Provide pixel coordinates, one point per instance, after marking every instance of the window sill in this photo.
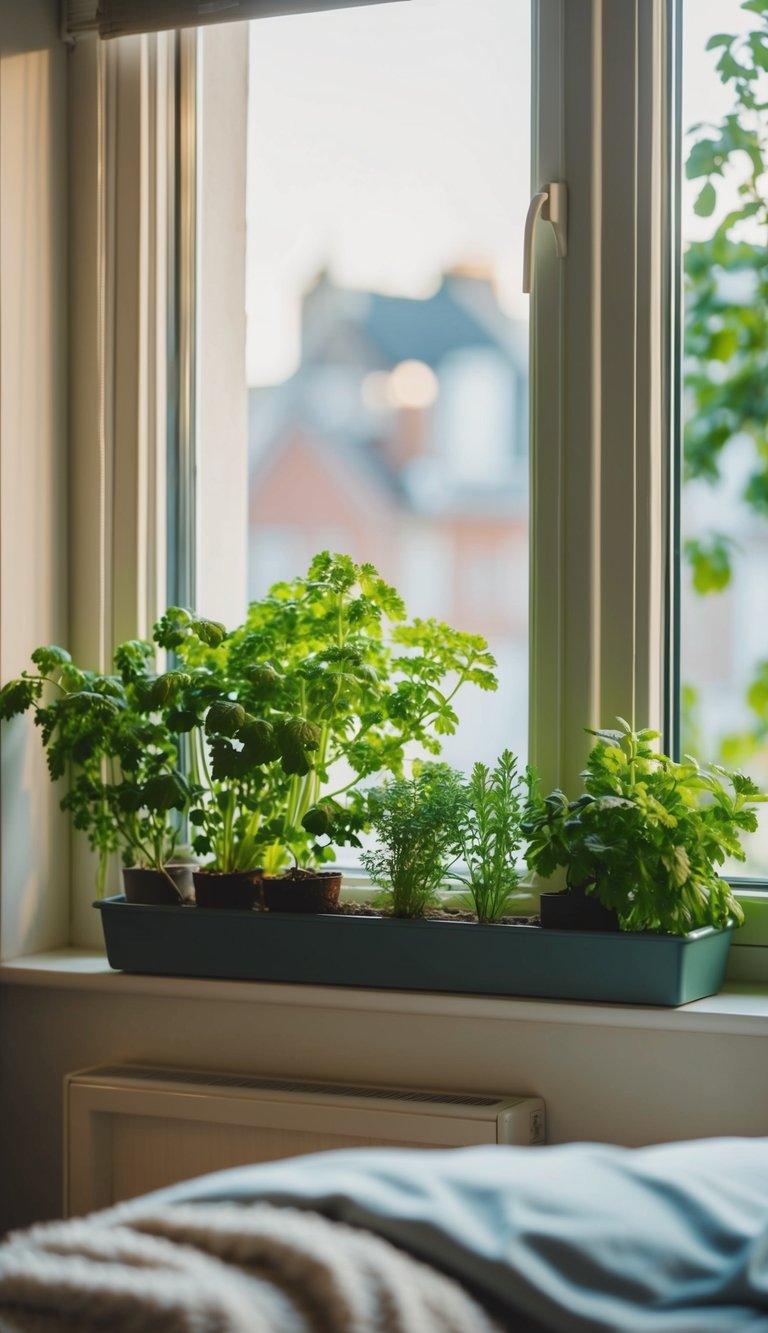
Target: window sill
(741, 1008)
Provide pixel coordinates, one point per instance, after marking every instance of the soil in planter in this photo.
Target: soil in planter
(298, 890)
(239, 891)
(431, 914)
(151, 887)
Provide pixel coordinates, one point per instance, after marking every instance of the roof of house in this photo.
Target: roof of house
(461, 313)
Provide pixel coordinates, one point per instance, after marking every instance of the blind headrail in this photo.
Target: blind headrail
(119, 18)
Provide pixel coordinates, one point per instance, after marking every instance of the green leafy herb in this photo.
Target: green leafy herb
(334, 684)
(647, 835)
(105, 734)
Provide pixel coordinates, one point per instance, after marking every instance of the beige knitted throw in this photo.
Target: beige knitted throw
(220, 1268)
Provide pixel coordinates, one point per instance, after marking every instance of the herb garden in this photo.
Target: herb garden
(256, 756)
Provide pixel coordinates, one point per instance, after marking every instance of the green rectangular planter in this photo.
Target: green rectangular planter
(454, 956)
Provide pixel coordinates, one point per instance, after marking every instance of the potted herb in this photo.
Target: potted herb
(645, 838)
(227, 750)
(424, 822)
(427, 825)
(491, 835)
(326, 684)
(416, 822)
(104, 732)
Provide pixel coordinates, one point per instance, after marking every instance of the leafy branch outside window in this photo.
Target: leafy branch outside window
(726, 324)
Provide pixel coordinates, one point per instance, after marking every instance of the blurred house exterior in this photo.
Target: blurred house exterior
(402, 439)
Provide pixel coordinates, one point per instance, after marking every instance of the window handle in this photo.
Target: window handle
(551, 204)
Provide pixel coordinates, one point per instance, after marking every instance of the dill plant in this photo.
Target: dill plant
(491, 836)
(416, 821)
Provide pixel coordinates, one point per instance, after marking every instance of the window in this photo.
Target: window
(387, 180)
(375, 283)
(389, 386)
(596, 393)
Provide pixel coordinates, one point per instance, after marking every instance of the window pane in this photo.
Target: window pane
(387, 359)
(724, 597)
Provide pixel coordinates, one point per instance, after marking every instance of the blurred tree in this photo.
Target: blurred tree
(725, 371)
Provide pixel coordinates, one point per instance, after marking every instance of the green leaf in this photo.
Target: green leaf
(182, 720)
(225, 717)
(319, 819)
(166, 791)
(711, 562)
(51, 659)
(259, 740)
(131, 659)
(719, 39)
(17, 696)
(296, 739)
(130, 798)
(704, 206)
(210, 632)
(731, 69)
(167, 687)
(264, 678)
(704, 159)
(227, 760)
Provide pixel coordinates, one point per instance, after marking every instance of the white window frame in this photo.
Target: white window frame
(600, 508)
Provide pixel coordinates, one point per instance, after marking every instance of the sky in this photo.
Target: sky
(386, 143)
(390, 142)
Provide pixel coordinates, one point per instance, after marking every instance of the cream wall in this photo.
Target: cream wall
(602, 1080)
(33, 418)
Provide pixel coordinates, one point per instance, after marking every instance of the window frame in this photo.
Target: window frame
(602, 505)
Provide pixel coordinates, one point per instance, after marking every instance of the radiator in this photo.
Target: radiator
(132, 1128)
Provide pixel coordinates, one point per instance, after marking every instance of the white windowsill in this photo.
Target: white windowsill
(740, 1008)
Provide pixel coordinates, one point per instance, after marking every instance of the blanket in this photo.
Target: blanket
(220, 1268)
(578, 1238)
(583, 1238)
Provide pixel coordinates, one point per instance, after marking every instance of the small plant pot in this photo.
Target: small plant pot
(151, 886)
(309, 891)
(238, 891)
(573, 909)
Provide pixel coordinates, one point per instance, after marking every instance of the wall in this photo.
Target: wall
(610, 1081)
(33, 412)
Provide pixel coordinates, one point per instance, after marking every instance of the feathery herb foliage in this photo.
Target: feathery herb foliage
(416, 821)
(491, 836)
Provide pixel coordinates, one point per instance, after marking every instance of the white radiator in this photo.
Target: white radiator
(131, 1128)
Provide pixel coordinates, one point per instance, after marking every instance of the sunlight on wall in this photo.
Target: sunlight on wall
(33, 589)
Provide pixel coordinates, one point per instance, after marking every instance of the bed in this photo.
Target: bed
(665, 1239)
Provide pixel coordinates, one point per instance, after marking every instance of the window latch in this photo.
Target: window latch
(551, 204)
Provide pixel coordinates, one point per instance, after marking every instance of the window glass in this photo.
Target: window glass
(387, 344)
(724, 493)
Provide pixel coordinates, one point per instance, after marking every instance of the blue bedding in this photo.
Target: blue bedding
(585, 1237)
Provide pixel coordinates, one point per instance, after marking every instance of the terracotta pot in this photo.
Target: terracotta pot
(574, 909)
(151, 886)
(238, 891)
(310, 891)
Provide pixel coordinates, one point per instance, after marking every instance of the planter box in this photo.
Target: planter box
(458, 957)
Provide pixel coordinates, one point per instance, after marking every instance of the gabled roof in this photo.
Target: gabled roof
(461, 313)
(427, 330)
